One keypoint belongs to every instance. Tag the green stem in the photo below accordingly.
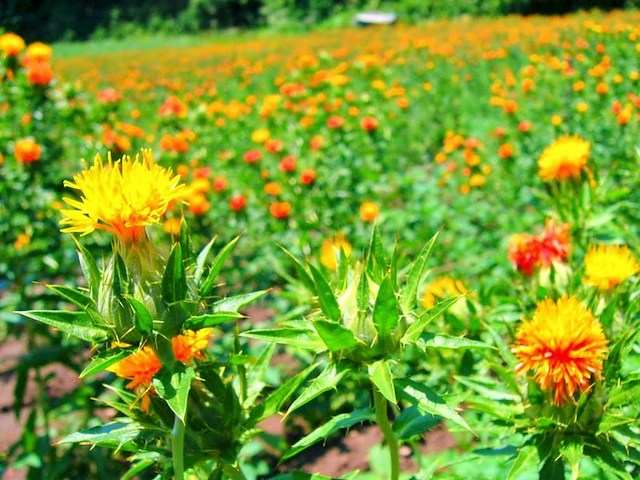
(177, 448)
(380, 405)
(242, 371)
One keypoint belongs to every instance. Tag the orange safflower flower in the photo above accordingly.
(189, 344)
(139, 368)
(287, 164)
(369, 211)
(238, 202)
(528, 252)
(331, 250)
(368, 124)
(252, 156)
(280, 210)
(37, 52)
(307, 177)
(335, 122)
(27, 151)
(173, 106)
(272, 188)
(505, 151)
(39, 73)
(109, 95)
(564, 345)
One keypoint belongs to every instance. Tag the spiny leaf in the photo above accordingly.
(380, 375)
(303, 275)
(89, 268)
(237, 302)
(142, 319)
(416, 328)
(326, 298)
(74, 296)
(385, 311)
(344, 420)
(173, 387)
(201, 260)
(335, 335)
(276, 399)
(210, 319)
(174, 280)
(409, 295)
(77, 324)
(428, 401)
(327, 380)
(216, 266)
(297, 337)
(104, 360)
(437, 340)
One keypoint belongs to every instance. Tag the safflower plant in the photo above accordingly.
(150, 315)
(565, 404)
(365, 316)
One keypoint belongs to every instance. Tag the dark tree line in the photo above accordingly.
(51, 20)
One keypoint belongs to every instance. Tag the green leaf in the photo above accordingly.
(385, 311)
(436, 340)
(526, 460)
(89, 268)
(173, 387)
(297, 337)
(76, 324)
(327, 380)
(103, 360)
(120, 280)
(143, 319)
(335, 335)
(428, 401)
(303, 275)
(174, 280)
(216, 266)
(201, 261)
(237, 302)
(74, 296)
(412, 422)
(344, 420)
(409, 296)
(137, 468)
(416, 328)
(273, 403)
(257, 374)
(616, 353)
(114, 434)
(326, 298)
(381, 377)
(210, 319)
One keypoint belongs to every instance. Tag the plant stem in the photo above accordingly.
(380, 405)
(177, 448)
(242, 372)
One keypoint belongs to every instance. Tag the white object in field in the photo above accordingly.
(375, 18)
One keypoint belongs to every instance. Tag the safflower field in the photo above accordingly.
(247, 250)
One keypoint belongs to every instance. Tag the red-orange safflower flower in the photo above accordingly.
(307, 177)
(280, 210)
(238, 202)
(27, 151)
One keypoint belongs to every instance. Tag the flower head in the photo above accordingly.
(27, 151)
(565, 158)
(139, 368)
(564, 345)
(440, 289)
(11, 44)
(190, 344)
(369, 211)
(608, 265)
(528, 252)
(121, 197)
(331, 250)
